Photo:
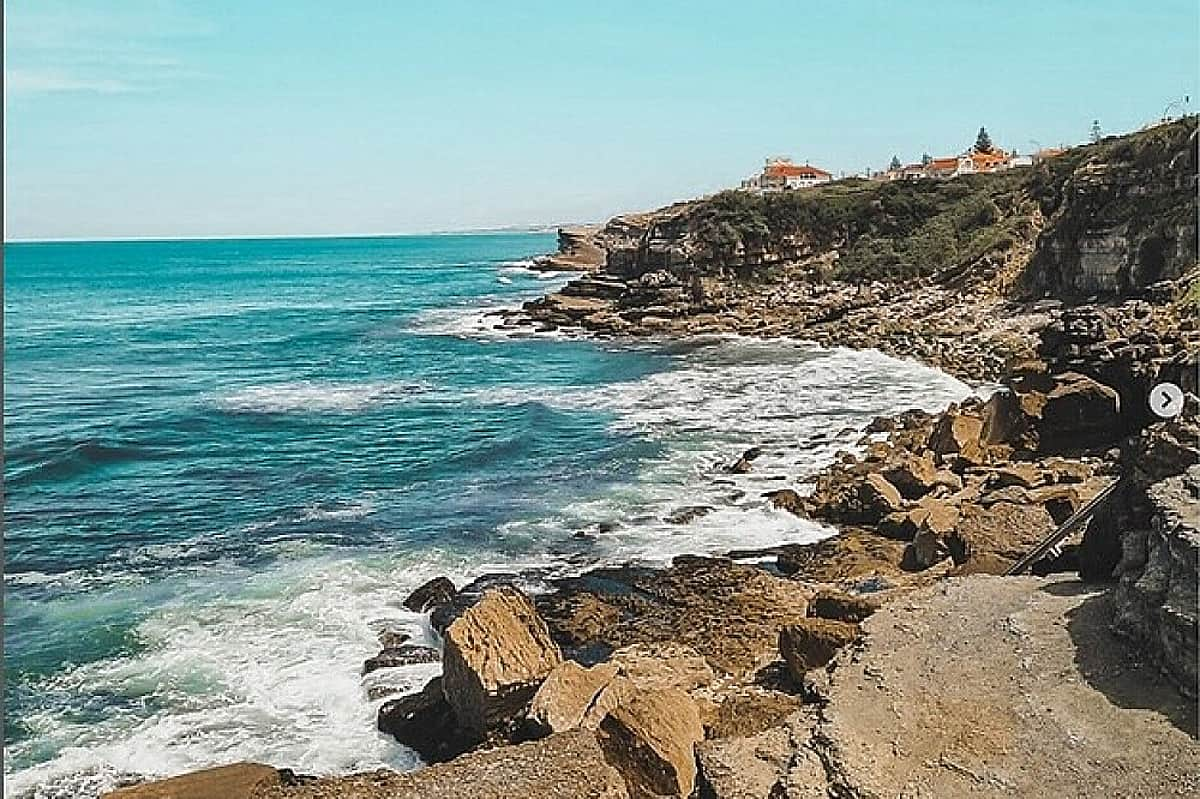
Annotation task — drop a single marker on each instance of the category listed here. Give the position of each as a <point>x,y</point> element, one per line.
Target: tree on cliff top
<point>925,159</point>
<point>983,142</point>
<point>895,163</point>
<point>1097,134</point>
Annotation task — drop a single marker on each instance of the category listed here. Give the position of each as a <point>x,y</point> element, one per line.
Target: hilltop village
<point>781,173</point>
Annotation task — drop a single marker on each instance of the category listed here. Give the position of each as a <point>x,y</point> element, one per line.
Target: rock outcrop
<point>237,781</point>
<point>496,655</point>
<point>652,740</point>
<point>566,766</point>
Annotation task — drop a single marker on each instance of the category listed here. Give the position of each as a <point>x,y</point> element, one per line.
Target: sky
<point>184,118</point>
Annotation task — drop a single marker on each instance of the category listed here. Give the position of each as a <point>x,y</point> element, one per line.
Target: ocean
<point>227,462</point>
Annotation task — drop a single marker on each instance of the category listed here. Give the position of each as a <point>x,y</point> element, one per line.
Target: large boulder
<point>913,476</point>
<point>237,781</point>
<point>573,696</point>
<point>748,767</point>
<point>1078,413</point>
<point>567,698</point>
<point>1005,531</point>
<point>957,434</point>
<point>496,655</point>
<point>878,497</point>
<point>651,739</point>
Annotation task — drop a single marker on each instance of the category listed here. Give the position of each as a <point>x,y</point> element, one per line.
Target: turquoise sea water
<point>228,461</point>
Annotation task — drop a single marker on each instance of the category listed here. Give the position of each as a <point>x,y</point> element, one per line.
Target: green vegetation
<point>983,142</point>
<point>907,229</point>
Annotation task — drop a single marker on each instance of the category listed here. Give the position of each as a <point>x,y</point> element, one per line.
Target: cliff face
<point>1107,219</point>
<point>1119,217</point>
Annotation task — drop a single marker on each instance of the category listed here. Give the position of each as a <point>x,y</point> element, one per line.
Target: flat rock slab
<point>995,686</point>
<point>236,781</point>
<point>564,766</point>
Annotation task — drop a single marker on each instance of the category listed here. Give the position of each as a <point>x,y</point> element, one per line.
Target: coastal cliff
<point>851,667</point>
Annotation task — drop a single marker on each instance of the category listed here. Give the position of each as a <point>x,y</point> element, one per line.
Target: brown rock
<point>496,655</point>
<point>812,643</point>
<point>566,696</point>
<point>1079,413</point>
<point>568,765</point>
<point>1025,475</point>
<point>913,476</point>
<point>744,768</point>
<point>1004,529</point>
<point>651,739</point>
<point>237,781</point>
<point>902,525</point>
<point>956,433</point>
<point>878,496</point>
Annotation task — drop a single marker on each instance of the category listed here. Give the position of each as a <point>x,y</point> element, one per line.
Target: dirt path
<point>989,686</point>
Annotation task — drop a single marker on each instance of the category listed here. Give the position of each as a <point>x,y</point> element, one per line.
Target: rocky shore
<point>894,658</point>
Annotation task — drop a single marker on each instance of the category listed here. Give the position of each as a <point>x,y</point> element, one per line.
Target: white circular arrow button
<point>1166,400</point>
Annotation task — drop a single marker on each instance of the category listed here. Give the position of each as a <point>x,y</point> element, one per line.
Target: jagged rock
<point>237,781</point>
<point>813,642</point>
<point>1025,475</point>
<point>1155,598</point>
<point>567,695</point>
<point>913,476</point>
<point>902,525</point>
<point>651,739</point>
<point>443,615</point>
<point>878,497</point>
<point>437,591</point>
<point>957,433</point>
<point>404,655</point>
<point>496,655</point>
<point>729,612</point>
<point>425,722</point>
<point>1003,421</point>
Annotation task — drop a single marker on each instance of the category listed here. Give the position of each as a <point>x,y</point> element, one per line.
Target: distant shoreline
<point>533,229</point>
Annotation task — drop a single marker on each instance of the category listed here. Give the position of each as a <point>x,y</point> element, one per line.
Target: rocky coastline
<point>894,658</point>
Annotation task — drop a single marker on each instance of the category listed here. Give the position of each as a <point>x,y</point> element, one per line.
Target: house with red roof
<point>782,174</point>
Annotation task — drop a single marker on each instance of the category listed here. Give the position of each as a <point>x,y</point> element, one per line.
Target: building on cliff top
<point>781,174</point>
<point>968,163</point>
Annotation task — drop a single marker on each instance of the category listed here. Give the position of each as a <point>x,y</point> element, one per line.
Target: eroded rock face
<point>1155,598</point>
<point>652,740</point>
<point>568,696</point>
<point>496,655</point>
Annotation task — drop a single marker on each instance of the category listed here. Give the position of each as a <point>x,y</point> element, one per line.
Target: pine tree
<point>895,163</point>
<point>1097,134</point>
<point>925,159</point>
<point>983,142</point>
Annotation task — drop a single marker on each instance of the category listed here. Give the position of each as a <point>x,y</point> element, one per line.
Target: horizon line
<point>546,228</point>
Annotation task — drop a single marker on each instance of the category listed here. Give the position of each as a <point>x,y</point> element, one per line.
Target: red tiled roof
<point>794,171</point>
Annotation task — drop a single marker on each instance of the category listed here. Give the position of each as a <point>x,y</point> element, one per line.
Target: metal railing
<point>1077,520</point>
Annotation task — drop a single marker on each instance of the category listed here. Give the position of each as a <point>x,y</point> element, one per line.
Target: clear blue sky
<point>232,117</point>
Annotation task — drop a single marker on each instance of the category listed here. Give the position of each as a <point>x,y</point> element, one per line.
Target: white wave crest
<point>313,396</point>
